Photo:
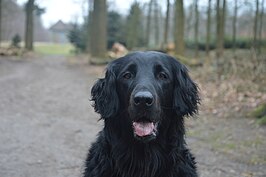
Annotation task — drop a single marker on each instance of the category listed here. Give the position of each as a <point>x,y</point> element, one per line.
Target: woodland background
<point>44,110</point>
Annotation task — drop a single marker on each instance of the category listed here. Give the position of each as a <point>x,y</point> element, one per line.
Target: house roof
<point>60,26</point>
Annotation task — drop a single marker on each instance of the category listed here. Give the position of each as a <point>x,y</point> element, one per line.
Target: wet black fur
<point>116,152</point>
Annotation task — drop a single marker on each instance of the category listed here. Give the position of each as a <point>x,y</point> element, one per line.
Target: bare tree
<point>99,23</point>
<point>196,29</point>
<point>156,23</point>
<point>89,25</point>
<point>189,22</point>
<point>223,25</point>
<point>234,24</point>
<point>148,25</point>
<point>218,25</point>
<point>0,22</point>
<point>261,23</point>
<point>208,28</point>
<point>166,25</point>
<point>255,28</point>
<point>29,25</point>
<point>220,20</point>
<point>179,27</point>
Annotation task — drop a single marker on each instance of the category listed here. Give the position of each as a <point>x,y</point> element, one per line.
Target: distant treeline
<point>243,43</point>
<point>216,24</point>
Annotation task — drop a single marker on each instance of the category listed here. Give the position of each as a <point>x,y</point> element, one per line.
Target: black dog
<point>143,100</point>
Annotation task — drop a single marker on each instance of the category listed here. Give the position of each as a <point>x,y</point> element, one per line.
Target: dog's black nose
<point>143,98</point>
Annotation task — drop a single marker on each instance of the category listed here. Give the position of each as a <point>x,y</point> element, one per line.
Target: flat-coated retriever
<point>143,100</point>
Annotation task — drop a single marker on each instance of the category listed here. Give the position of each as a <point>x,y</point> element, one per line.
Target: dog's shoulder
<point>98,159</point>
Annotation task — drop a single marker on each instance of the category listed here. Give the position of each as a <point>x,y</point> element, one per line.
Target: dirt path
<point>47,125</point>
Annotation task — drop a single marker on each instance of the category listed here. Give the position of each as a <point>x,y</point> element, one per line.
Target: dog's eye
<point>162,76</point>
<point>127,75</point>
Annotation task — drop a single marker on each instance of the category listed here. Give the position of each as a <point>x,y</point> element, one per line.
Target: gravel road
<point>47,125</point>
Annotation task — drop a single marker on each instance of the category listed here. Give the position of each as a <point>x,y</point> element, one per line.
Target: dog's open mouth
<point>145,129</point>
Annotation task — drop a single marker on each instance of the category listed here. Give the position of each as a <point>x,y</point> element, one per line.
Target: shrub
<point>77,39</point>
<point>241,43</point>
<point>16,41</point>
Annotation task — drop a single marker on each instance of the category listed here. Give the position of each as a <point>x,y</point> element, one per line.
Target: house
<point>59,32</point>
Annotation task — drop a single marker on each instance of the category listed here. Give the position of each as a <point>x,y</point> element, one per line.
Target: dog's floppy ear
<point>186,95</point>
<point>104,95</point>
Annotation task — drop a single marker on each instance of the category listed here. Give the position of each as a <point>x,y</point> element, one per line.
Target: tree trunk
<point>218,27</point>
<point>261,24</point>
<point>220,17</point>
<point>208,28</point>
<point>179,27</point>
<point>166,25</point>
<point>29,25</point>
<point>89,27</point>
<point>223,25</point>
<point>234,26</point>
<point>255,28</point>
<point>148,27</point>
<point>189,23</point>
<point>99,31</point>
<point>156,24</point>
<point>218,24</point>
<point>196,29</point>
<point>0,22</point>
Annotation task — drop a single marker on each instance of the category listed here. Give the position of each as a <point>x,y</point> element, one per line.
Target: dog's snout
<point>143,98</point>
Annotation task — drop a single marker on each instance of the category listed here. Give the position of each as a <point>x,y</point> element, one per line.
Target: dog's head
<point>145,88</point>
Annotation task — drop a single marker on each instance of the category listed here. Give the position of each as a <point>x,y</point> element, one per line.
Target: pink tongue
<point>143,128</point>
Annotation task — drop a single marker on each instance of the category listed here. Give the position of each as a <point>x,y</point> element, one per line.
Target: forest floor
<point>47,123</point>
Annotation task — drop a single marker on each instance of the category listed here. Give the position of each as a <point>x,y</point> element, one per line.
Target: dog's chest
<point>136,162</point>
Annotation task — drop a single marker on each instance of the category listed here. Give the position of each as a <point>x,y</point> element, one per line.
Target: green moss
<point>258,112</point>
<point>254,142</point>
<point>224,147</point>
<point>262,120</point>
<point>255,159</point>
